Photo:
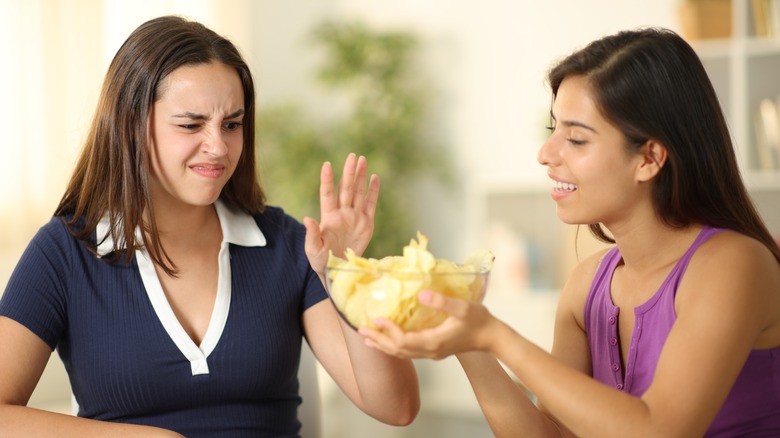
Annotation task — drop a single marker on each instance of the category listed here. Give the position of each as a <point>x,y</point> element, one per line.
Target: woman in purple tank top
<point>674,331</point>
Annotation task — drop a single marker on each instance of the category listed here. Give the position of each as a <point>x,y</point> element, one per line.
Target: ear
<point>653,158</point>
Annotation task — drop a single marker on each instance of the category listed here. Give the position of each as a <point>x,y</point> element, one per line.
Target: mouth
<point>208,170</point>
<point>563,187</point>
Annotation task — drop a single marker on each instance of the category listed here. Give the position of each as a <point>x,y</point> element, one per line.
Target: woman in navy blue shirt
<point>176,298</point>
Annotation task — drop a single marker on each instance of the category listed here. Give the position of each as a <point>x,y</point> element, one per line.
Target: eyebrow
<point>195,116</point>
<point>571,123</point>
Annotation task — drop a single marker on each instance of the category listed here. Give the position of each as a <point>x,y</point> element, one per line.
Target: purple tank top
<point>753,405</point>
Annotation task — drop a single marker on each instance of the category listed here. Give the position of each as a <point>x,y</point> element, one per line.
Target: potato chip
<point>364,289</point>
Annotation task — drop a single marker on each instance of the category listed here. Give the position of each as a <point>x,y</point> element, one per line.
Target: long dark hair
<point>112,174</point>
<point>651,85</point>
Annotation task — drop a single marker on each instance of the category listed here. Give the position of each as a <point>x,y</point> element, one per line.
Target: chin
<point>563,217</point>
<point>201,201</point>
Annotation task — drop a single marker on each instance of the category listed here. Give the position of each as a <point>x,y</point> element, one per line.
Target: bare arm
<point>24,358</point>
<point>726,306</point>
<point>507,407</point>
<point>384,387</point>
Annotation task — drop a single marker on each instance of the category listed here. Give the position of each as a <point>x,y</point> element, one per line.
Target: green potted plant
<point>372,72</point>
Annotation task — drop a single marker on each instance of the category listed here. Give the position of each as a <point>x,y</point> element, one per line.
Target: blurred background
<point>447,99</point>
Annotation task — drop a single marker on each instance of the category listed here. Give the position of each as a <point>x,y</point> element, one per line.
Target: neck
<point>186,222</point>
<point>650,247</point>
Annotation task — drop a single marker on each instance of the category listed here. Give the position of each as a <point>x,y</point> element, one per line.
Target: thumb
<point>313,241</point>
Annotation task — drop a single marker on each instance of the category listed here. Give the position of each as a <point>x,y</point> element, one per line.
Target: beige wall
<point>55,55</point>
<point>485,62</point>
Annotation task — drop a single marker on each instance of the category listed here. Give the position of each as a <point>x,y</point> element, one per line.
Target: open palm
<point>346,213</point>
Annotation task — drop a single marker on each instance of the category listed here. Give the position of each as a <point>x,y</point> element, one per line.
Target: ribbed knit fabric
<point>124,367</point>
<point>753,405</point>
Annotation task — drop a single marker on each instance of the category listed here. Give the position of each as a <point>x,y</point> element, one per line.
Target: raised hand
<point>346,215</point>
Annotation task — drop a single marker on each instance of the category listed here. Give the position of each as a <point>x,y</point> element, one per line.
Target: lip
<point>208,170</point>
<point>561,188</point>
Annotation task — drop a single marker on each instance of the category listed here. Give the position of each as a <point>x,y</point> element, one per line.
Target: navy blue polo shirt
<point>128,358</point>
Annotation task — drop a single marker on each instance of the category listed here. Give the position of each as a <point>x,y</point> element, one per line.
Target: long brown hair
<point>112,173</point>
<point>651,85</point>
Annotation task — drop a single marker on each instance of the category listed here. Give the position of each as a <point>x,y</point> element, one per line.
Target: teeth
<point>563,186</point>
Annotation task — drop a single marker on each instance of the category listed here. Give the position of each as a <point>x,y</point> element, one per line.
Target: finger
<point>313,240</point>
<point>372,197</point>
<point>437,301</point>
<point>327,197</point>
<point>375,339</point>
<point>390,329</point>
<point>347,182</point>
<point>360,183</point>
<point>386,338</point>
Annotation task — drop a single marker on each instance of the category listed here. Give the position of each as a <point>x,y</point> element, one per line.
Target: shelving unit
<point>744,69</point>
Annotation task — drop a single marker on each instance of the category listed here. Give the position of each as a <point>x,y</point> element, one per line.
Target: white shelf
<point>743,69</point>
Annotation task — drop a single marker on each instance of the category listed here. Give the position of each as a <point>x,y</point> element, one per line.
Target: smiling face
<point>595,177</point>
<point>196,134</point>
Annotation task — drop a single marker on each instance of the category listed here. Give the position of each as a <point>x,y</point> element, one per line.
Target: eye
<point>575,141</point>
<point>190,126</point>
<point>232,126</point>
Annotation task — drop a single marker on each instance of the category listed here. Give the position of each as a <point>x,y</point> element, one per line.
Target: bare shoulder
<point>575,291</point>
<point>731,275</point>
<point>737,254</point>
<point>570,341</point>
<point>583,273</point>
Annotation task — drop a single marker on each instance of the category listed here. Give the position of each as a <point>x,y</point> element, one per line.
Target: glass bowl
<point>361,295</point>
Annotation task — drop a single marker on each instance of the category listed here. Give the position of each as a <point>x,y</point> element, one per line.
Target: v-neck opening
<point>627,365</point>
<point>196,354</point>
<point>237,228</point>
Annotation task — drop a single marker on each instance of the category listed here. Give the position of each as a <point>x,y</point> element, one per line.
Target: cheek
<point>167,153</point>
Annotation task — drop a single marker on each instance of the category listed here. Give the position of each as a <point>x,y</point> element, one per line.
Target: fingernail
<point>425,296</point>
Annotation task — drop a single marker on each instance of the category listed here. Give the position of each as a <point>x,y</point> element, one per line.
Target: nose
<point>213,143</point>
<point>547,153</point>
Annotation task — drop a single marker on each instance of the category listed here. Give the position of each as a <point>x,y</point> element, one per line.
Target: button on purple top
<point>753,406</point>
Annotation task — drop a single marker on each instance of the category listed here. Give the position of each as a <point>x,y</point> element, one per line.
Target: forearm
<point>586,406</point>
<point>505,405</point>
<point>387,386</point>
<point>23,421</point>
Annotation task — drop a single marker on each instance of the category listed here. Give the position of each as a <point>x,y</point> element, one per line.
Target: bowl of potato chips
<point>364,289</point>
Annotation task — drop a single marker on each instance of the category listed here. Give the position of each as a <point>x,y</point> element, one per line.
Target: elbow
<point>402,412</point>
<point>405,413</point>
<point>411,411</point>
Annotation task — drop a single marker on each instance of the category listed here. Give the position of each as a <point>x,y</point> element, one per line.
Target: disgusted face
<point>196,134</point>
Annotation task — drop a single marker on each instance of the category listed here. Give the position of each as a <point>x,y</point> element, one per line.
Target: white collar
<point>238,228</point>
